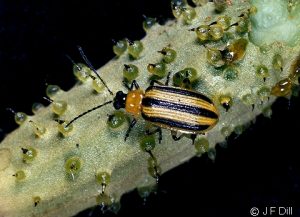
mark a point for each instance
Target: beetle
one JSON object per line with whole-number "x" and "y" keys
{"x": 177, "y": 109}
{"x": 174, "y": 108}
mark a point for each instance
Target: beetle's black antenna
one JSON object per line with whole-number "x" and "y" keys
{"x": 93, "y": 69}
{"x": 88, "y": 111}
{"x": 73, "y": 62}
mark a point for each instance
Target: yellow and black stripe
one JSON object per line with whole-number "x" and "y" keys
{"x": 179, "y": 109}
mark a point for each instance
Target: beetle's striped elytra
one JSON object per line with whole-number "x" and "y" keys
{"x": 179, "y": 109}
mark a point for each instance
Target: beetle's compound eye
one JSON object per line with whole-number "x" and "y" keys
{"x": 119, "y": 100}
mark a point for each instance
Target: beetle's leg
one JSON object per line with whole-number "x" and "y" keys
{"x": 168, "y": 79}
{"x": 126, "y": 85}
{"x": 157, "y": 130}
{"x": 133, "y": 122}
{"x": 133, "y": 84}
{"x": 175, "y": 137}
{"x": 193, "y": 137}
{"x": 156, "y": 82}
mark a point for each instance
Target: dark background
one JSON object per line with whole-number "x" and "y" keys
{"x": 260, "y": 168}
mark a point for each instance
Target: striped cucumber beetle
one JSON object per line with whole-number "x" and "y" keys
{"x": 177, "y": 109}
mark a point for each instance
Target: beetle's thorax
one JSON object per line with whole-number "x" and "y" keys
{"x": 133, "y": 104}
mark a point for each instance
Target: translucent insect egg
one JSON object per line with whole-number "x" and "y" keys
{"x": 103, "y": 178}
{"x": 73, "y": 166}
{"x": 116, "y": 119}
{"x": 230, "y": 73}
{"x": 202, "y": 32}
{"x": 147, "y": 143}
{"x": 216, "y": 32}
{"x": 201, "y": 146}
{"x": 188, "y": 14}
{"x": 177, "y": 7}
{"x": 120, "y": 47}
{"x": 225, "y": 101}
{"x": 59, "y": 107}
{"x": 277, "y": 62}
{"x": 224, "y": 22}
{"x": 135, "y": 48}
{"x": 148, "y": 23}
{"x": 282, "y": 88}
{"x": 248, "y": 99}
{"x": 29, "y": 154}
{"x": 220, "y": 5}
{"x": 235, "y": 51}
{"x": 51, "y": 90}
{"x": 214, "y": 57}
{"x": 64, "y": 128}
{"x": 177, "y": 11}
{"x": 262, "y": 71}
{"x": 20, "y": 117}
{"x": 81, "y": 72}
{"x": 98, "y": 85}
{"x": 186, "y": 75}
{"x": 20, "y": 175}
{"x": 130, "y": 72}
{"x": 36, "y": 107}
{"x": 38, "y": 129}
{"x": 36, "y": 200}
{"x": 158, "y": 69}
{"x": 169, "y": 54}
{"x": 264, "y": 93}
{"x": 243, "y": 25}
